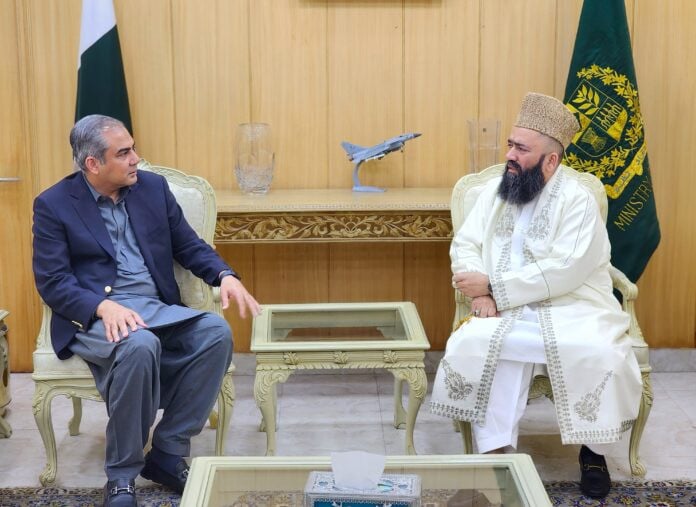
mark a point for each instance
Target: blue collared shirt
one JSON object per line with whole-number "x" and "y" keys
{"x": 132, "y": 274}
{"x": 134, "y": 287}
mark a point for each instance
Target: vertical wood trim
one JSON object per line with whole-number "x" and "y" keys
{"x": 17, "y": 278}
{"x": 663, "y": 41}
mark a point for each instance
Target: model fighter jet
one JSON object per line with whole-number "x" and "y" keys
{"x": 359, "y": 154}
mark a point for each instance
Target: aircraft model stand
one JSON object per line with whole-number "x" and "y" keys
{"x": 357, "y": 187}
{"x": 359, "y": 154}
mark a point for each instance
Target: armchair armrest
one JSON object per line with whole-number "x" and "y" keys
{"x": 217, "y": 302}
{"x": 628, "y": 289}
{"x": 43, "y": 339}
{"x": 629, "y": 293}
{"x": 462, "y": 308}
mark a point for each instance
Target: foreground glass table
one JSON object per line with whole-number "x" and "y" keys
{"x": 508, "y": 480}
{"x": 337, "y": 336}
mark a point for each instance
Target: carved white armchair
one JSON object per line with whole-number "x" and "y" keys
{"x": 464, "y": 195}
{"x": 72, "y": 377}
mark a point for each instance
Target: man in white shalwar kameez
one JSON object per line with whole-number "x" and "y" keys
{"x": 533, "y": 256}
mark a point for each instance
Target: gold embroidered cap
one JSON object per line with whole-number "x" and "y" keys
{"x": 549, "y": 116}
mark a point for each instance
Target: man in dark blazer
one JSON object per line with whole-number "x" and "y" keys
{"x": 105, "y": 238}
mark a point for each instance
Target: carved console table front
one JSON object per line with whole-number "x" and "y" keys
{"x": 320, "y": 215}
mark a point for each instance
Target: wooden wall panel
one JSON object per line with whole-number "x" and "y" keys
{"x": 16, "y": 279}
{"x": 211, "y": 68}
{"x": 365, "y": 88}
{"x": 291, "y": 273}
{"x": 289, "y": 86}
{"x": 517, "y": 56}
{"x": 666, "y": 83}
{"x": 146, "y": 39}
{"x": 366, "y": 272}
{"x": 428, "y": 283}
{"x": 12, "y": 153}
{"x": 441, "y": 48}
{"x": 241, "y": 258}
{"x": 567, "y": 17}
{"x": 52, "y": 34}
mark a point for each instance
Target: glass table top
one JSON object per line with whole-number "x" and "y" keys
{"x": 333, "y": 325}
{"x": 507, "y": 480}
{"x": 392, "y": 324}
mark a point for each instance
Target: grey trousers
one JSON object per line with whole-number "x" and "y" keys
{"x": 178, "y": 368}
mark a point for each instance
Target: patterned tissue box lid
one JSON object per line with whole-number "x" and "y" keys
{"x": 393, "y": 490}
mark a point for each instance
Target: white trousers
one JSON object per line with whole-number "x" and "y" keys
{"x": 506, "y": 405}
{"x": 522, "y": 348}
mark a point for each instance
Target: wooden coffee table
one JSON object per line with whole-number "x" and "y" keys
{"x": 338, "y": 336}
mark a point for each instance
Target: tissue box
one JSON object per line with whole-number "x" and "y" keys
{"x": 395, "y": 490}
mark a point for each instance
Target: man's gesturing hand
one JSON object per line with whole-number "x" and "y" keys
{"x": 231, "y": 288}
{"x": 118, "y": 320}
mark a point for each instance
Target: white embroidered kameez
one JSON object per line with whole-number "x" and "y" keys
{"x": 548, "y": 265}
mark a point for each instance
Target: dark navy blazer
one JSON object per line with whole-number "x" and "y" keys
{"x": 75, "y": 262}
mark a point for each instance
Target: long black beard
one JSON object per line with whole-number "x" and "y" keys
{"x": 524, "y": 186}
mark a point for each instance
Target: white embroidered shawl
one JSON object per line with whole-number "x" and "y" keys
{"x": 594, "y": 374}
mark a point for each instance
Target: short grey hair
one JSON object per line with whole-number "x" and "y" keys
{"x": 554, "y": 146}
{"x": 87, "y": 138}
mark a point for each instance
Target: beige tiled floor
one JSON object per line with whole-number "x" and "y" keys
{"x": 319, "y": 413}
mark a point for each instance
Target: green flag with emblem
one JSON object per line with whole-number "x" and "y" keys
{"x": 101, "y": 82}
{"x": 602, "y": 93}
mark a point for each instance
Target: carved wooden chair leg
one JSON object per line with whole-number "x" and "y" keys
{"x": 637, "y": 468}
{"x": 464, "y": 428}
{"x": 213, "y": 418}
{"x": 5, "y": 428}
{"x": 274, "y": 395}
{"x": 540, "y": 386}
{"x": 225, "y": 404}
{"x": 399, "y": 412}
{"x": 74, "y": 424}
{"x": 43, "y": 395}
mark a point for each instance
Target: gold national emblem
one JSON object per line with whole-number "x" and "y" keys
{"x": 610, "y": 143}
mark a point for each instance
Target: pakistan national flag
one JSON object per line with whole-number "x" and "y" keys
{"x": 101, "y": 84}
{"x": 602, "y": 92}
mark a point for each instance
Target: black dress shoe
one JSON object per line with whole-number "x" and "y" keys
{"x": 120, "y": 493}
{"x": 594, "y": 479}
{"x": 175, "y": 479}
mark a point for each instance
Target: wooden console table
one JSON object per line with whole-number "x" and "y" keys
{"x": 321, "y": 215}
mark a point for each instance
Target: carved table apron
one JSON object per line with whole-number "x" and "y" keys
{"x": 321, "y": 215}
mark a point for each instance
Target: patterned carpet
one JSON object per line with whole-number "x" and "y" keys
{"x": 152, "y": 496}
{"x": 623, "y": 494}
{"x": 633, "y": 493}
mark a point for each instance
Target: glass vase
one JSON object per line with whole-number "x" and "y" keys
{"x": 254, "y": 158}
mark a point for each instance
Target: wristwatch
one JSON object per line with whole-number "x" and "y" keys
{"x": 224, "y": 273}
